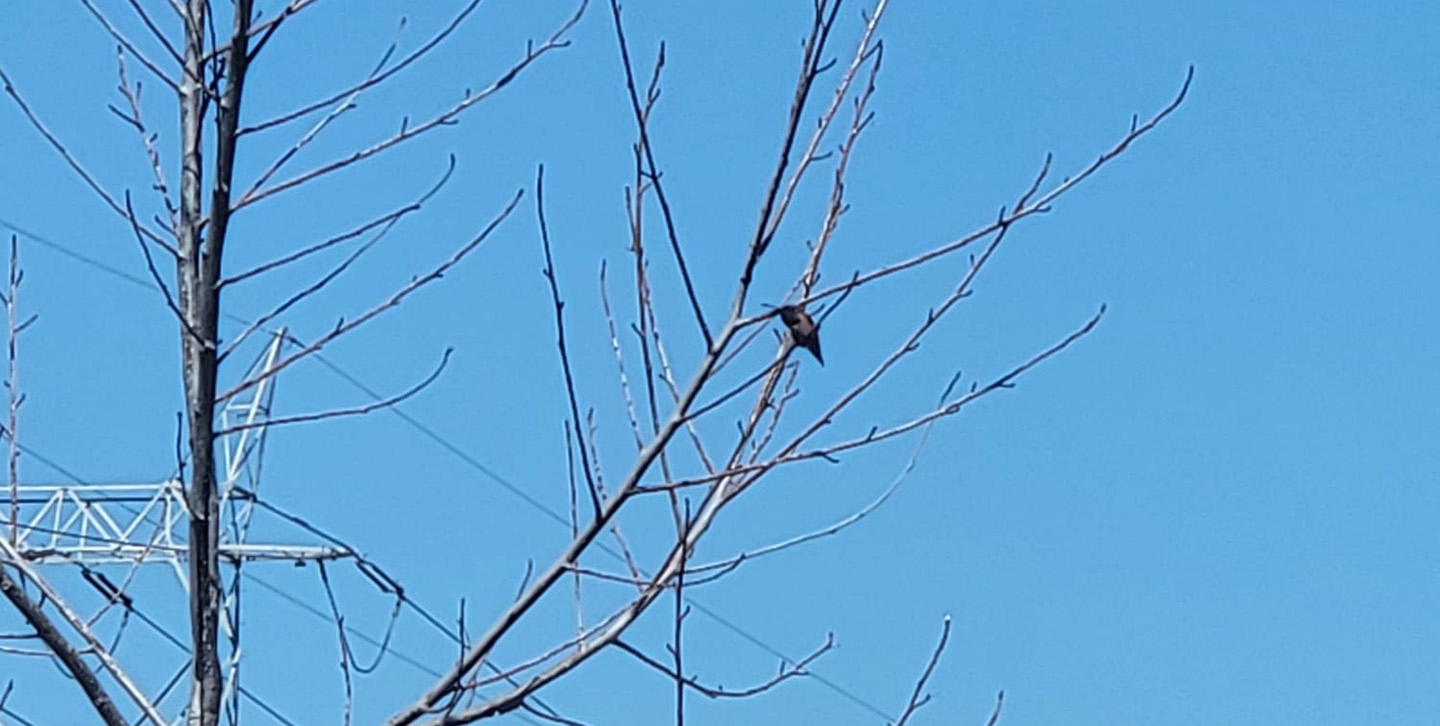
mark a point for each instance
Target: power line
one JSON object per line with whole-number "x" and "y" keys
{"x": 468, "y": 460}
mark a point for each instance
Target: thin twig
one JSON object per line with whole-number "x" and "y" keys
{"x": 344, "y": 644}
{"x": 299, "y": 295}
{"x": 593, "y": 439}
{"x": 559, "y": 305}
{"x": 45, "y": 627}
{"x": 155, "y": 276}
{"x": 127, "y": 45}
{"x": 917, "y": 697}
{"x": 152, "y": 154}
{"x": 74, "y": 163}
{"x": 842, "y": 89}
{"x": 668, "y": 377}
{"x": 837, "y": 206}
{"x": 731, "y": 562}
{"x": 828, "y": 451}
{"x": 574, "y": 529}
{"x": 811, "y": 65}
{"x": 1021, "y": 211}
{"x": 347, "y": 104}
{"x": 678, "y": 625}
{"x": 549, "y": 716}
{"x": 995, "y": 715}
{"x": 346, "y": 326}
{"x": 376, "y": 76}
{"x": 351, "y": 234}
{"x": 652, "y": 170}
{"x": 13, "y": 327}
{"x": 353, "y": 411}
{"x": 785, "y": 674}
{"x": 620, "y": 361}
{"x": 265, "y": 30}
{"x": 442, "y": 119}
{"x": 155, "y": 30}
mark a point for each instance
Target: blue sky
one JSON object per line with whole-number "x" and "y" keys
{"x": 1219, "y": 507}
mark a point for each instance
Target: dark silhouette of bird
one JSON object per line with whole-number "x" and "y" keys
{"x": 803, "y": 329}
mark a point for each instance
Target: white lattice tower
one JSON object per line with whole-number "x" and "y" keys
{"x": 147, "y": 523}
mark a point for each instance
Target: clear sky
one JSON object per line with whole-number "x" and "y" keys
{"x": 1220, "y": 507}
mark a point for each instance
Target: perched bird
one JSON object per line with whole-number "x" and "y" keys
{"x": 803, "y": 329}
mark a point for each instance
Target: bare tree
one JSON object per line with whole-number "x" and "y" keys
{"x": 680, "y": 457}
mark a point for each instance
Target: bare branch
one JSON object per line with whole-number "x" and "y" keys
{"x": 677, "y": 639}
{"x": 376, "y": 77}
{"x": 732, "y": 562}
{"x": 346, "y": 326}
{"x": 70, "y": 159}
{"x": 344, "y": 645}
{"x": 789, "y": 455}
{"x": 356, "y": 232}
{"x": 669, "y": 378}
{"x": 354, "y": 411}
{"x": 446, "y": 117}
{"x": 736, "y": 390}
{"x": 137, "y": 119}
{"x": 995, "y": 715}
{"x": 785, "y": 674}
{"x": 642, "y": 117}
{"x": 266, "y": 29}
{"x": 1026, "y": 209}
{"x": 1004, "y": 381}
{"x": 508, "y": 674}
{"x": 311, "y": 289}
{"x": 916, "y": 698}
{"x": 155, "y": 276}
{"x": 67, "y": 655}
{"x": 810, "y": 68}
{"x": 600, "y": 490}
{"x": 549, "y": 716}
{"x": 570, "y": 444}
{"x": 549, "y": 272}
{"x": 863, "y": 52}
{"x": 155, "y": 31}
{"x": 645, "y": 309}
{"x": 837, "y": 204}
{"x": 130, "y": 47}
{"x": 13, "y": 327}
{"x": 52, "y": 637}
{"x": 620, "y": 362}
{"x": 347, "y": 104}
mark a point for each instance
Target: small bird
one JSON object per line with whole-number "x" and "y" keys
{"x": 803, "y": 329}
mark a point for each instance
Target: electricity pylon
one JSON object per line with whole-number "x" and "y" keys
{"x": 144, "y": 523}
